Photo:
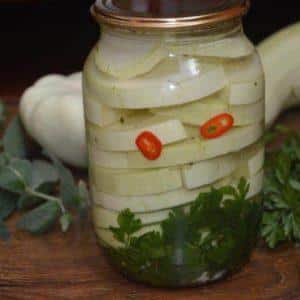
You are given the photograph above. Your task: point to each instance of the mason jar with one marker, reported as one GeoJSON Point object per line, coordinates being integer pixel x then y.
{"type": "Point", "coordinates": [174, 108]}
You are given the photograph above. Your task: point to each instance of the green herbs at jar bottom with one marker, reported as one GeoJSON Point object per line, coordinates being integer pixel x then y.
{"type": "Point", "coordinates": [214, 238]}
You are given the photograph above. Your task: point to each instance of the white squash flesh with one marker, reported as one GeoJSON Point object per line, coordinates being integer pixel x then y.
{"type": "Point", "coordinates": [105, 218]}
{"type": "Point", "coordinates": [244, 93]}
{"type": "Point", "coordinates": [102, 115]}
{"type": "Point", "coordinates": [244, 69]}
{"type": "Point", "coordinates": [252, 160]}
{"type": "Point", "coordinates": [163, 201]}
{"type": "Point", "coordinates": [174, 81]}
{"type": "Point", "coordinates": [139, 54]}
{"type": "Point", "coordinates": [198, 112]}
{"type": "Point", "coordinates": [246, 80]}
{"type": "Point", "coordinates": [189, 151]}
{"type": "Point", "coordinates": [296, 90]}
{"type": "Point", "coordinates": [146, 203]}
{"type": "Point", "coordinates": [208, 171]}
{"type": "Point", "coordinates": [132, 183]}
{"type": "Point", "coordinates": [232, 47]}
{"type": "Point", "coordinates": [122, 135]}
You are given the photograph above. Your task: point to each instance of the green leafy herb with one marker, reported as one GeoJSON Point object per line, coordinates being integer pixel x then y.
{"type": "Point", "coordinates": [190, 242]}
{"type": "Point", "coordinates": [40, 219]}
{"type": "Point", "coordinates": [8, 204]}
{"type": "Point", "coordinates": [128, 225]}
{"type": "Point", "coordinates": [15, 175]}
{"type": "Point", "coordinates": [46, 190]}
{"type": "Point", "coordinates": [281, 220]}
{"type": "Point", "coordinates": [14, 140]}
{"type": "Point", "coordinates": [42, 173]}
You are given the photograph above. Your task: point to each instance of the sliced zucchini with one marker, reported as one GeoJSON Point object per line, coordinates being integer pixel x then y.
{"type": "Point", "coordinates": [208, 171]}
{"type": "Point", "coordinates": [174, 81]}
{"type": "Point", "coordinates": [251, 161]}
{"type": "Point", "coordinates": [244, 93]}
{"type": "Point", "coordinates": [243, 70]}
{"type": "Point", "coordinates": [189, 151]}
{"type": "Point", "coordinates": [231, 47]}
{"type": "Point", "coordinates": [146, 203]}
{"type": "Point", "coordinates": [126, 55]}
{"type": "Point", "coordinates": [198, 112]}
{"type": "Point", "coordinates": [105, 218]}
{"type": "Point", "coordinates": [132, 183]}
{"type": "Point", "coordinates": [122, 135]}
{"type": "Point", "coordinates": [100, 114]}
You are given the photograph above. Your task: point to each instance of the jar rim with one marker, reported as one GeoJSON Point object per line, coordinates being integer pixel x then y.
{"type": "Point", "coordinates": [105, 15]}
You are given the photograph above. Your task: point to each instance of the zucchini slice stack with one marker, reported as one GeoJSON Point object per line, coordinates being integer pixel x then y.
{"type": "Point", "coordinates": [169, 88]}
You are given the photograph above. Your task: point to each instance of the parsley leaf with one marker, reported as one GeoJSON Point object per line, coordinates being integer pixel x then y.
{"type": "Point", "coordinates": [281, 220]}
{"type": "Point", "coordinates": [128, 225]}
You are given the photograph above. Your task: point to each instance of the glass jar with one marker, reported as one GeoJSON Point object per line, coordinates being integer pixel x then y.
{"type": "Point", "coordinates": [174, 107]}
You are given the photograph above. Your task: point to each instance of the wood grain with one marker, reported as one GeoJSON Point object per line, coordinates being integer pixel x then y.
{"type": "Point", "coordinates": [72, 266]}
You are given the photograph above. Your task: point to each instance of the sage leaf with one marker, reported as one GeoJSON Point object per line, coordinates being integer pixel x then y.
{"type": "Point", "coordinates": [8, 204]}
{"type": "Point", "coordinates": [40, 219]}
{"type": "Point", "coordinates": [16, 176]}
{"type": "Point", "coordinates": [43, 172]}
{"type": "Point", "coordinates": [11, 181]}
{"type": "Point", "coordinates": [23, 168]}
{"type": "Point", "coordinates": [14, 139]}
{"type": "Point", "coordinates": [68, 188]}
{"type": "Point", "coordinates": [29, 201]}
{"type": "Point", "coordinates": [4, 232]}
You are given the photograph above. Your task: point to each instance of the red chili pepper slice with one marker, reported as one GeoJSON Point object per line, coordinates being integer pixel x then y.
{"type": "Point", "coordinates": [217, 126]}
{"type": "Point", "coordinates": [149, 145]}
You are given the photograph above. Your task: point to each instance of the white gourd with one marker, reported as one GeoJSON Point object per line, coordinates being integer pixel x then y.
{"type": "Point", "coordinates": [280, 56]}
{"type": "Point", "coordinates": [52, 112]}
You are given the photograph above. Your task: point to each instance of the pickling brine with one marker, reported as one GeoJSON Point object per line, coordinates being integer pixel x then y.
{"type": "Point", "coordinates": [174, 123]}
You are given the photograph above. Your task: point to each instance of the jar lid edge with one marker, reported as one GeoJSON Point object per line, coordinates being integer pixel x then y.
{"type": "Point", "coordinates": [106, 16]}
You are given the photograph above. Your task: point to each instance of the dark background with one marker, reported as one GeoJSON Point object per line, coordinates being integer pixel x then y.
{"type": "Point", "coordinates": [56, 36]}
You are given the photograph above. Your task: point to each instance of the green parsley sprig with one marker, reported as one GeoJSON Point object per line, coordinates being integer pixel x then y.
{"type": "Point", "coordinates": [281, 218]}
{"type": "Point", "coordinates": [190, 242]}
{"type": "Point", "coordinates": [44, 191]}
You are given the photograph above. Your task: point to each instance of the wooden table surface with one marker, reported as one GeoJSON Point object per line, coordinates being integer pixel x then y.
{"type": "Point", "coordinates": [71, 266]}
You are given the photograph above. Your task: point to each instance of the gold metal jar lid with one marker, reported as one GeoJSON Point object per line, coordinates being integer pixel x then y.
{"type": "Point", "coordinates": [167, 13]}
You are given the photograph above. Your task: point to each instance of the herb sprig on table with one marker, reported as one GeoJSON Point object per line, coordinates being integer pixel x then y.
{"type": "Point", "coordinates": [44, 191]}
{"type": "Point", "coordinates": [281, 218]}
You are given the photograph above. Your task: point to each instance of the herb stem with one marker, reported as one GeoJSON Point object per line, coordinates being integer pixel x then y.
{"type": "Point", "coordinates": [47, 197]}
